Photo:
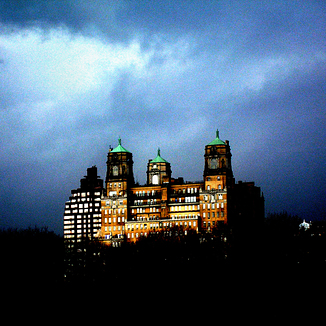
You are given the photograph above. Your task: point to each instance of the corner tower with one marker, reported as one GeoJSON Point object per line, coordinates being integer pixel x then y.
{"type": "Point", "coordinates": [158, 170]}
{"type": "Point", "coordinates": [119, 174]}
{"type": "Point", "coordinates": [218, 170]}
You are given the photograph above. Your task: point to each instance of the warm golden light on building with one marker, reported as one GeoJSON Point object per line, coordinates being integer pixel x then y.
{"type": "Point", "coordinates": [130, 211]}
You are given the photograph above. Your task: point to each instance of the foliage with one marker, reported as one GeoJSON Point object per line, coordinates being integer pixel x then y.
{"type": "Point", "coordinates": [31, 256]}
{"type": "Point", "coordinates": [36, 255]}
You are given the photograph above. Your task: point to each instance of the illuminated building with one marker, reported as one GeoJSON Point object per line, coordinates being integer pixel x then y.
{"type": "Point", "coordinates": [82, 215]}
{"type": "Point", "coordinates": [130, 211]}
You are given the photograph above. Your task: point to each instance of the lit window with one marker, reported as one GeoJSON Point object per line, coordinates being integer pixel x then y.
{"type": "Point", "coordinates": [155, 179]}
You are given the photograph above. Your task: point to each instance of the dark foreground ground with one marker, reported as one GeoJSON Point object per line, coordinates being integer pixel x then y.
{"type": "Point", "coordinates": [277, 255]}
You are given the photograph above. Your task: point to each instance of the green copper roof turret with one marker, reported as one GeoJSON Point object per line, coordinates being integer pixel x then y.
{"type": "Point", "coordinates": [119, 148]}
{"type": "Point", "coordinates": [217, 140]}
{"type": "Point", "coordinates": [158, 158]}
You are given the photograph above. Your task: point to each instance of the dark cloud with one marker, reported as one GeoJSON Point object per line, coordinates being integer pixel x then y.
{"type": "Point", "coordinates": [76, 75]}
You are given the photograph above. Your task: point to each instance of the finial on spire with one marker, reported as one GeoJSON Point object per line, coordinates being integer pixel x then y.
{"type": "Point", "coordinates": [158, 152]}
{"type": "Point", "coordinates": [119, 140]}
{"type": "Point", "coordinates": [217, 133]}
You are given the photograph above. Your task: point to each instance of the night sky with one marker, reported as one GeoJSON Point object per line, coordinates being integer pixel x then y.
{"type": "Point", "coordinates": [75, 75]}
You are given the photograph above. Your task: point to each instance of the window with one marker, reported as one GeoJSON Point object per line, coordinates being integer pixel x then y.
{"type": "Point", "coordinates": [213, 163]}
{"type": "Point", "coordinates": [155, 179]}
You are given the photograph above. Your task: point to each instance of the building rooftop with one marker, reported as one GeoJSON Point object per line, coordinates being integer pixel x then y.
{"type": "Point", "coordinates": [158, 158]}
{"type": "Point", "coordinates": [217, 140]}
{"type": "Point", "coordinates": [119, 148]}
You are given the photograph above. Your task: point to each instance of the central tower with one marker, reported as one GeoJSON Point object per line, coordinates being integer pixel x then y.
{"type": "Point", "coordinates": [158, 170]}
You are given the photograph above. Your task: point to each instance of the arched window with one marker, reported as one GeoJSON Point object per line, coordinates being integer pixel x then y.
{"type": "Point", "coordinates": [115, 170]}
{"type": "Point", "coordinates": [155, 179]}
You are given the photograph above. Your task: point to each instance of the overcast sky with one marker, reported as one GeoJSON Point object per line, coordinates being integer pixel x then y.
{"type": "Point", "coordinates": [75, 75]}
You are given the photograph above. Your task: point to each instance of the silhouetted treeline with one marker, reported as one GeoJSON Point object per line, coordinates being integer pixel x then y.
{"type": "Point", "coordinates": [37, 256]}
{"type": "Point", "coordinates": [276, 247]}
{"type": "Point", "coordinates": [32, 256]}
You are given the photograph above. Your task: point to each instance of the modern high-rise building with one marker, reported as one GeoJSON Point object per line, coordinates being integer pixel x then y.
{"type": "Point", "coordinates": [82, 215]}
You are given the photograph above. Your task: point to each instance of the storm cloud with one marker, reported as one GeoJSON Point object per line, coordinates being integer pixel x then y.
{"type": "Point", "coordinates": [76, 75]}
